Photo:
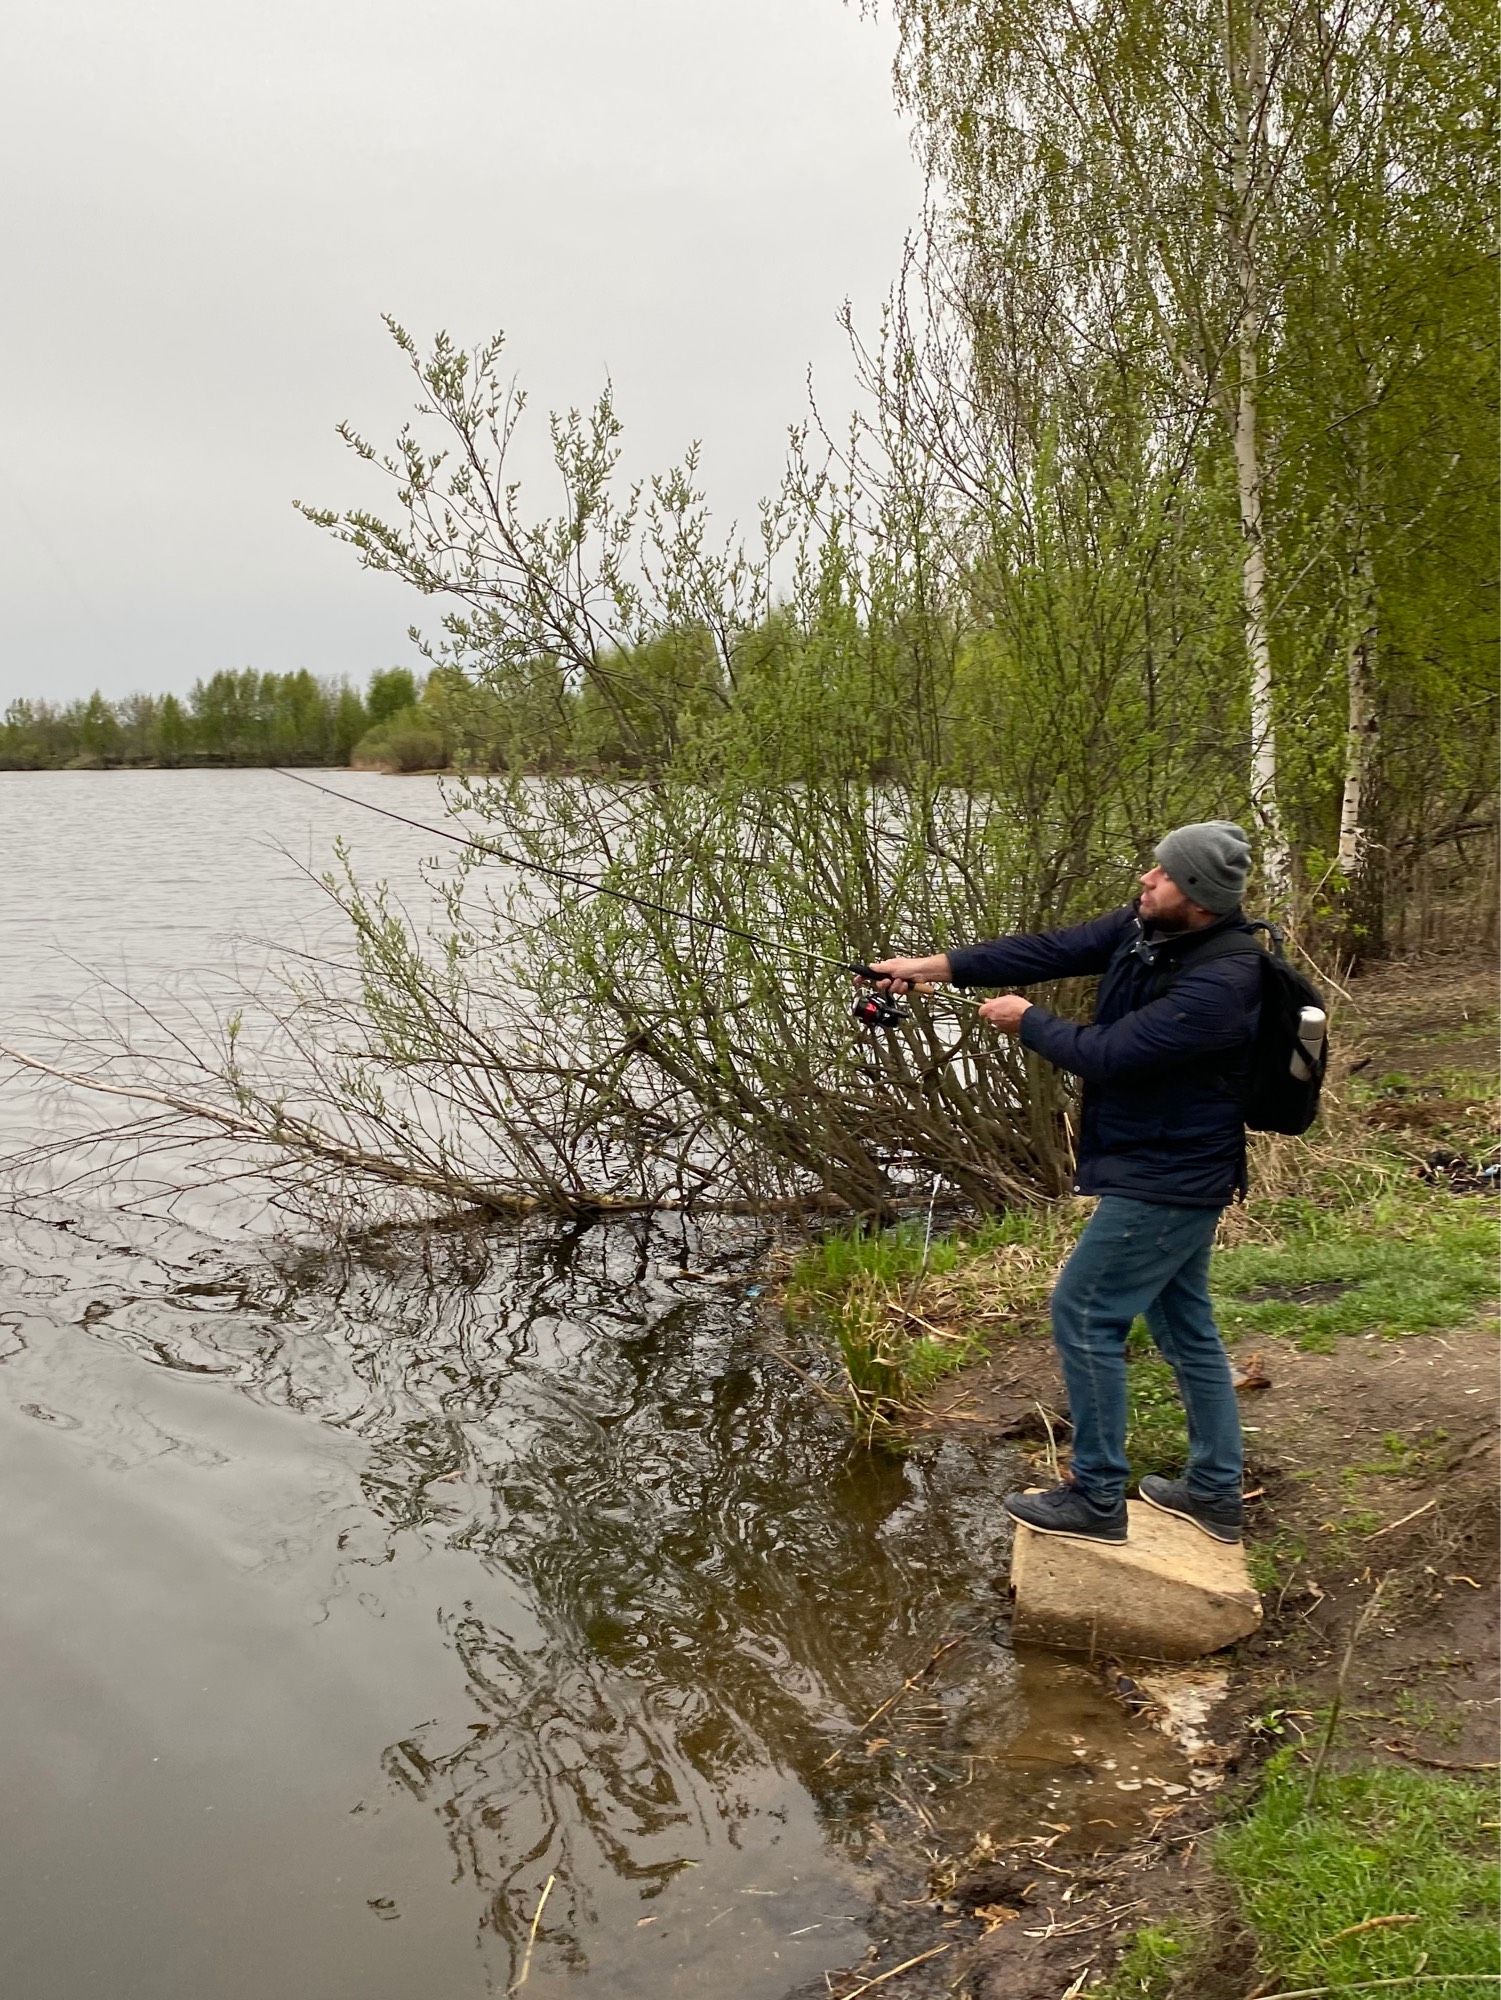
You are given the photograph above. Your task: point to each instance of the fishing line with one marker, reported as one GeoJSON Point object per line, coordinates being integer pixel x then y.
{"type": "Point", "coordinates": [594, 888]}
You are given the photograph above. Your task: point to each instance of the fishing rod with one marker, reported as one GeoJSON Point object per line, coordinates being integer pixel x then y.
{"type": "Point", "coordinates": [872, 1010]}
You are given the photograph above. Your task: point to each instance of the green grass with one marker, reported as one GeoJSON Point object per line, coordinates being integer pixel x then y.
{"type": "Point", "coordinates": [1379, 1842]}
{"type": "Point", "coordinates": [1420, 1717]}
{"type": "Point", "coordinates": [1409, 1265]}
{"type": "Point", "coordinates": [887, 1369]}
{"type": "Point", "coordinates": [905, 1310]}
{"type": "Point", "coordinates": [1152, 1959]}
{"type": "Point", "coordinates": [1345, 1514]}
{"type": "Point", "coordinates": [1156, 1429]}
{"type": "Point", "coordinates": [1458, 1084]}
{"type": "Point", "coordinates": [827, 1268]}
{"type": "Point", "coordinates": [862, 1285]}
{"type": "Point", "coordinates": [1275, 1559]}
{"type": "Point", "coordinates": [1416, 1457]}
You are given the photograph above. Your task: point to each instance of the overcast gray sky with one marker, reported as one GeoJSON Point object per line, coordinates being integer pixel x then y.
{"type": "Point", "coordinates": [207, 208]}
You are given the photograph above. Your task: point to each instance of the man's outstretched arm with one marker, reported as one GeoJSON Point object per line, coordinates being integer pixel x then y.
{"type": "Point", "coordinates": [1019, 960]}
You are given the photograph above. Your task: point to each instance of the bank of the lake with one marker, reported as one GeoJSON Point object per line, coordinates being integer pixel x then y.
{"type": "Point", "coordinates": [353, 1590]}
{"type": "Point", "coordinates": [1357, 1290]}
{"type": "Point", "coordinates": [356, 1590]}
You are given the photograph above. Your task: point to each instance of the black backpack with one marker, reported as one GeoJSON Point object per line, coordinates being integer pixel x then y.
{"type": "Point", "coordinates": [1281, 1090]}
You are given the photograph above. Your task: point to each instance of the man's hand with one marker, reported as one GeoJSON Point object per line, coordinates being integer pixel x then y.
{"type": "Point", "coordinates": [1005, 1013]}
{"type": "Point", "coordinates": [903, 973]}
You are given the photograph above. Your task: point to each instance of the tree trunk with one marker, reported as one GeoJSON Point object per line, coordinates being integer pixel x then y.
{"type": "Point", "coordinates": [1361, 890]}
{"type": "Point", "coordinates": [1360, 893]}
{"type": "Point", "coordinates": [1245, 59]}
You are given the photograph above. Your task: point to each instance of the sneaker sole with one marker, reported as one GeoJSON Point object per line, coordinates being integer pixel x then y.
{"type": "Point", "coordinates": [1069, 1534]}
{"type": "Point", "coordinates": [1226, 1541]}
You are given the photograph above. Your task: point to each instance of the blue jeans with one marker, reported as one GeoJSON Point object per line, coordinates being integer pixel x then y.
{"type": "Point", "coordinates": [1144, 1257]}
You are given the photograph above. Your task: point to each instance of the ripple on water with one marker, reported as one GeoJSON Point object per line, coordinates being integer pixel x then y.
{"type": "Point", "coordinates": [603, 1593]}
{"type": "Point", "coordinates": [346, 1603]}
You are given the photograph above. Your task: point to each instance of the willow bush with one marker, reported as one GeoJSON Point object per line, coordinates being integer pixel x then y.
{"type": "Point", "coordinates": [923, 713]}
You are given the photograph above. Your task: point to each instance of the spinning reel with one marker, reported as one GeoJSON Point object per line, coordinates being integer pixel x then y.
{"type": "Point", "coordinates": [877, 1010]}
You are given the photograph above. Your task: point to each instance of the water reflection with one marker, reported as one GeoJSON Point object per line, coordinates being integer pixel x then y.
{"type": "Point", "coordinates": [668, 1590]}
{"type": "Point", "coordinates": [346, 1601]}
{"type": "Point", "coordinates": [715, 1586]}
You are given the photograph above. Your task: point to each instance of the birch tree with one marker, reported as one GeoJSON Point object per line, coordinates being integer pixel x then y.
{"type": "Point", "coordinates": [1386, 426]}
{"type": "Point", "coordinates": [1161, 157]}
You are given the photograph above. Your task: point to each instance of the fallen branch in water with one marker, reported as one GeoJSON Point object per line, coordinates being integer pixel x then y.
{"type": "Point", "coordinates": [271, 1125]}
{"type": "Point", "coordinates": [522, 1050]}
{"type": "Point", "coordinates": [531, 1941]}
{"type": "Point", "coordinates": [890, 1702]}
{"type": "Point", "coordinates": [278, 1128]}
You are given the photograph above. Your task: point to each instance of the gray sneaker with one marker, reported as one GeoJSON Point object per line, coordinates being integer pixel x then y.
{"type": "Point", "coordinates": [1219, 1519]}
{"type": "Point", "coordinates": [1063, 1510]}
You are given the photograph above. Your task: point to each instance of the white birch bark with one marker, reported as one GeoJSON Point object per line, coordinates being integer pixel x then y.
{"type": "Point", "coordinates": [1362, 719]}
{"type": "Point", "coordinates": [1361, 714]}
{"type": "Point", "coordinates": [1245, 59]}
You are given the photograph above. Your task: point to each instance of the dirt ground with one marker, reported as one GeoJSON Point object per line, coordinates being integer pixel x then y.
{"type": "Point", "coordinates": [1422, 1686]}
{"type": "Point", "coordinates": [1374, 1466]}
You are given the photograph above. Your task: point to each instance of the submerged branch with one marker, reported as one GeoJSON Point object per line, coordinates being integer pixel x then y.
{"type": "Point", "coordinates": [301, 1140]}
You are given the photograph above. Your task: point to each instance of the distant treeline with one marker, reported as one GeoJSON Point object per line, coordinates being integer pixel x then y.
{"type": "Point", "coordinates": [231, 718]}
{"type": "Point", "coordinates": [533, 720]}
{"type": "Point", "coordinates": [249, 718]}
{"type": "Point", "coordinates": [239, 719]}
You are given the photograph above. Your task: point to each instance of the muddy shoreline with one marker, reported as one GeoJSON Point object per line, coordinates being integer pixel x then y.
{"type": "Point", "coordinates": [1373, 1465]}
{"type": "Point", "coordinates": [1003, 1919]}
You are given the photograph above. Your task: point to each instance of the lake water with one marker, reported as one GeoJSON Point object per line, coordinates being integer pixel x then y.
{"type": "Point", "coordinates": [347, 1601]}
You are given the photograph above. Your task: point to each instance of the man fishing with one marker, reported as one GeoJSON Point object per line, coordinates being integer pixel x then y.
{"type": "Point", "coordinates": [1162, 1143]}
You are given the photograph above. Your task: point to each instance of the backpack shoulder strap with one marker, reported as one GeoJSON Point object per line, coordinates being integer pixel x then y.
{"type": "Point", "coordinates": [1224, 944]}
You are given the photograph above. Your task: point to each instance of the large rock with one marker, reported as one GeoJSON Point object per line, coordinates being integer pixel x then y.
{"type": "Point", "coordinates": [1166, 1593]}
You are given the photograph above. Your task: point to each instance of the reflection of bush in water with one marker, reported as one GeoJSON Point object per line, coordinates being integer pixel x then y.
{"type": "Point", "coordinates": [718, 1580]}
{"type": "Point", "coordinates": [556, 1756]}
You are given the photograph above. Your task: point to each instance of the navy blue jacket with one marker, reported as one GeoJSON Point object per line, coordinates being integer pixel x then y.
{"type": "Point", "coordinates": [1160, 1117]}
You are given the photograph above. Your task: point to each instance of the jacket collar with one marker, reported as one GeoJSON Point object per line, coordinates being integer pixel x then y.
{"type": "Point", "coordinates": [1148, 946]}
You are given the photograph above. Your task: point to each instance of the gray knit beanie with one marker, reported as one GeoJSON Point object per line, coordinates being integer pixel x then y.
{"type": "Point", "coordinates": [1209, 862]}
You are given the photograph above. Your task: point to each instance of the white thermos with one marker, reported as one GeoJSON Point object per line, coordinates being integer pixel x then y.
{"type": "Point", "coordinates": [1313, 1025]}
